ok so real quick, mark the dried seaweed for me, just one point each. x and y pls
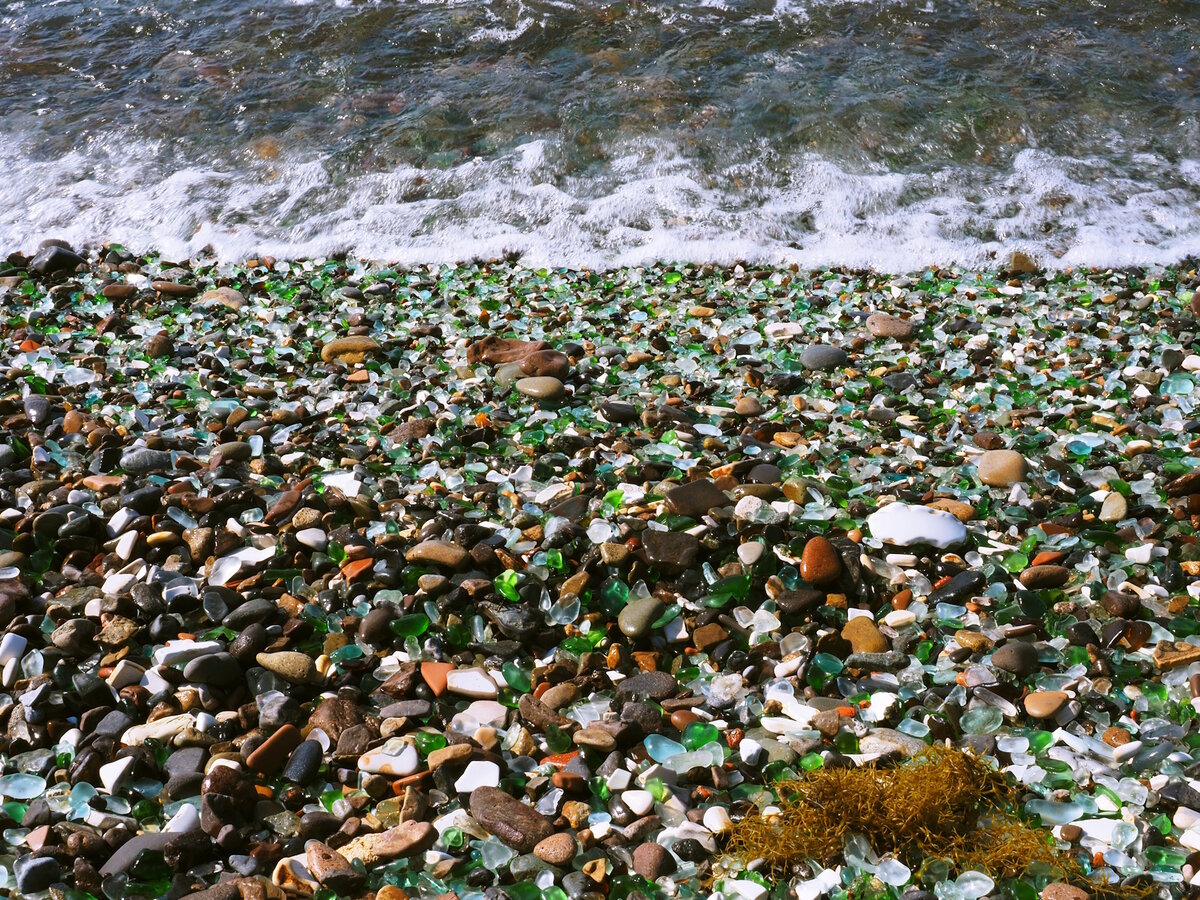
(941, 804)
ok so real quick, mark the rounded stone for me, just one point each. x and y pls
(1043, 577)
(637, 617)
(820, 562)
(558, 849)
(1044, 704)
(290, 665)
(1018, 657)
(1001, 468)
(542, 387)
(864, 636)
(823, 358)
(652, 861)
(885, 326)
(1114, 508)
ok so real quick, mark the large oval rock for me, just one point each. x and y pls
(353, 349)
(823, 358)
(1002, 468)
(518, 826)
(902, 525)
(542, 387)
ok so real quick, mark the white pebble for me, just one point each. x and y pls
(639, 802)
(472, 682)
(479, 773)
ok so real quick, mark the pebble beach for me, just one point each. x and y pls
(328, 578)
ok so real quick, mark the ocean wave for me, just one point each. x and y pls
(650, 202)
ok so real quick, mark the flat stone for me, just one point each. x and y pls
(905, 525)
(36, 874)
(820, 562)
(218, 669)
(885, 326)
(517, 825)
(269, 756)
(223, 296)
(481, 773)
(973, 640)
(964, 512)
(290, 665)
(695, 498)
(449, 755)
(670, 551)
(1044, 704)
(653, 685)
(546, 364)
(636, 618)
(405, 840)
(332, 869)
(471, 682)
(1018, 657)
(543, 387)
(396, 762)
(823, 357)
(864, 636)
(888, 740)
(1060, 890)
(438, 553)
(350, 350)
(1001, 468)
(53, 259)
(959, 588)
(1044, 577)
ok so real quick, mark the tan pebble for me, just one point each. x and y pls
(1044, 704)
(1116, 736)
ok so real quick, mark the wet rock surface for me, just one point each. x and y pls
(543, 581)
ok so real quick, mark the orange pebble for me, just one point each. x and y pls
(847, 711)
(902, 599)
(541, 689)
(1048, 558)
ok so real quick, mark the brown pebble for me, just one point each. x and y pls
(269, 757)
(1044, 704)
(682, 718)
(820, 563)
(558, 849)
(1071, 833)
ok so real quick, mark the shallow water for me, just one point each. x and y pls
(894, 134)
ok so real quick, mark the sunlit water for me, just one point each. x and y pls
(893, 134)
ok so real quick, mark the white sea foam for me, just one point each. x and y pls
(649, 202)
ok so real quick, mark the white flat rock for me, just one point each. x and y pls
(114, 773)
(639, 802)
(395, 759)
(472, 682)
(163, 729)
(479, 773)
(183, 650)
(187, 819)
(313, 538)
(479, 714)
(903, 525)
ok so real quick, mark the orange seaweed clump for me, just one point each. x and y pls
(942, 804)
